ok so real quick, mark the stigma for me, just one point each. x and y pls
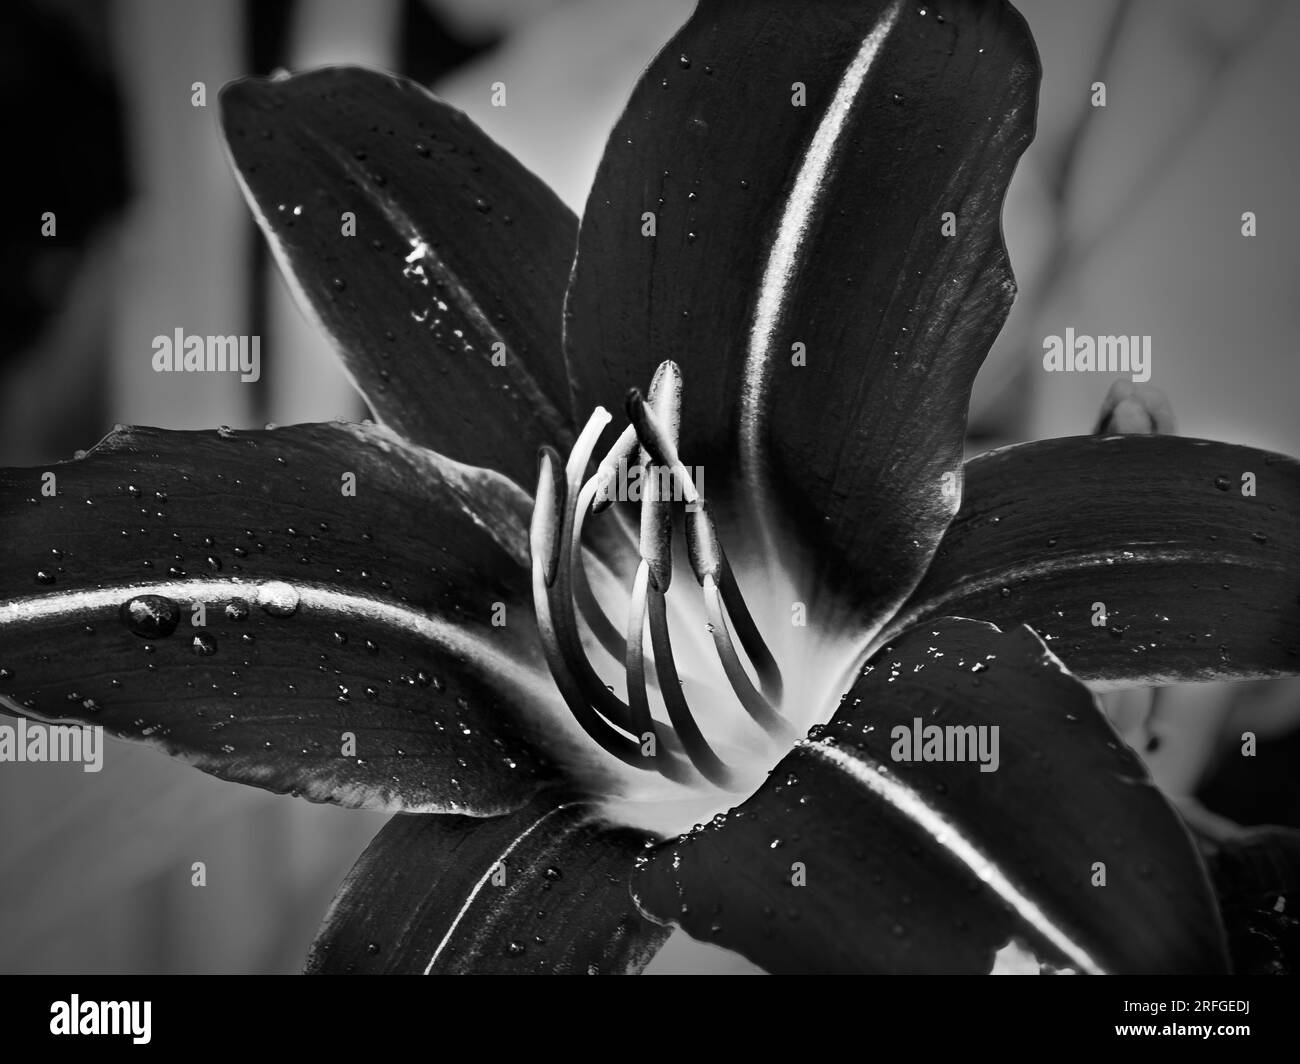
(565, 604)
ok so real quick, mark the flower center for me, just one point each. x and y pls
(676, 749)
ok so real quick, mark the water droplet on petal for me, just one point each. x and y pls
(278, 598)
(150, 616)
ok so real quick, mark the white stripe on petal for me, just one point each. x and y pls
(949, 837)
(481, 653)
(785, 259)
(478, 887)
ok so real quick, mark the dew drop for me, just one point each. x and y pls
(278, 598)
(204, 645)
(150, 616)
(1222, 483)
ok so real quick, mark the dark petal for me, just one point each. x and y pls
(819, 225)
(457, 248)
(1257, 867)
(933, 866)
(1196, 580)
(1257, 877)
(326, 613)
(542, 890)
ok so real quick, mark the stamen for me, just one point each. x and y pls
(561, 617)
(670, 686)
(599, 729)
(562, 593)
(604, 629)
(619, 457)
(636, 691)
(751, 639)
(659, 446)
(665, 397)
(656, 540)
(656, 532)
(548, 514)
(702, 546)
(755, 704)
(638, 699)
(709, 562)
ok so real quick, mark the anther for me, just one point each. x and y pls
(620, 456)
(654, 438)
(665, 397)
(544, 531)
(702, 546)
(656, 539)
(666, 400)
(656, 533)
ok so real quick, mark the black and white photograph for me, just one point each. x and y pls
(666, 487)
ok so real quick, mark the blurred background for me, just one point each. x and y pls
(1123, 220)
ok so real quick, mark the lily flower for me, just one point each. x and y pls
(815, 691)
